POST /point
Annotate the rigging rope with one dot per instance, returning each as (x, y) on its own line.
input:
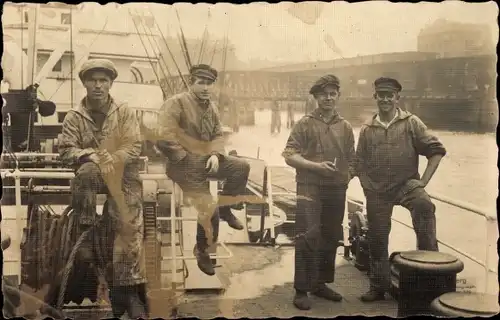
(154, 52)
(79, 60)
(71, 52)
(147, 53)
(169, 51)
(183, 41)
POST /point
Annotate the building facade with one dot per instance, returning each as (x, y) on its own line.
(451, 39)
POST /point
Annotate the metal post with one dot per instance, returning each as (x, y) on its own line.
(18, 219)
(173, 252)
(345, 226)
(263, 206)
(270, 201)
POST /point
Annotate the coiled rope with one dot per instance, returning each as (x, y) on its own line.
(69, 265)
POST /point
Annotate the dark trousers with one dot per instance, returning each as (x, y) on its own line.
(318, 223)
(379, 211)
(124, 190)
(130, 299)
(192, 176)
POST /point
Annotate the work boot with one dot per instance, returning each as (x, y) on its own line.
(204, 261)
(373, 295)
(301, 301)
(326, 293)
(230, 218)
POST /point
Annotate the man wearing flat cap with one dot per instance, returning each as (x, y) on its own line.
(321, 149)
(191, 138)
(388, 153)
(101, 140)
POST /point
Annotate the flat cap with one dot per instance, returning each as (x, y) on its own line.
(387, 84)
(98, 64)
(204, 71)
(324, 81)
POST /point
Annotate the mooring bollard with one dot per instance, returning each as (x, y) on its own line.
(465, 304)
(422, 277)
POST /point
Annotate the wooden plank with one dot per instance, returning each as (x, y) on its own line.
(196, 280)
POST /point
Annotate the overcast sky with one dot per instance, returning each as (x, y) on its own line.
(268, 31)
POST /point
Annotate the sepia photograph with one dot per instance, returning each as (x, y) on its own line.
(249, 160)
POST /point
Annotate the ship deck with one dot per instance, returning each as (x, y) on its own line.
(258, 281)
(260, 285)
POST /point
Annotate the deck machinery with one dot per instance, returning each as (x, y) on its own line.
(36, 186)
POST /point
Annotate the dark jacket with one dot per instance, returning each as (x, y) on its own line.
(318, 141)
(388, 158)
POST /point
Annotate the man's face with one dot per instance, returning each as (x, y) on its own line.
(98, 84)
(386, 100)
(327, 99)
(202, 87)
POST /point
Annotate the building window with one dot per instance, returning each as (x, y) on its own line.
(58, 66)
(65, 18)
(26, 17)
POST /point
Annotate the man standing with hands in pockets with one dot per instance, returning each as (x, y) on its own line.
(321, 149)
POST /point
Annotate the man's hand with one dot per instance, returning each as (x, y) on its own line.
(106, 162)
(414, 183)
(105, 156)
(326, 168)
(94, 158)
(212, 164)
(411, 185)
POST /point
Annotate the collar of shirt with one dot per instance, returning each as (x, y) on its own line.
(201, 102)
(384, 124)
(104, 110)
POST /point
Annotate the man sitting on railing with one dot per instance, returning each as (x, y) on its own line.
(101, 139)
(387, 166)
(321, 149)
(190, 136)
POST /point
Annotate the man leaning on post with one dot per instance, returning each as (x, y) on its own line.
(388, 151)
(321, 149)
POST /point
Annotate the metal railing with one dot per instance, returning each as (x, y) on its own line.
(491, 222)
(176, 204)
(17, 175)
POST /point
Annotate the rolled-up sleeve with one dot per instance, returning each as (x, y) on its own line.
(295, 142)
(70, 146)
(426, 143)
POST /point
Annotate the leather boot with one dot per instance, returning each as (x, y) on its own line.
(230, 218)
(301, 301)
(204, 261)
(326, 293)
(373, 295)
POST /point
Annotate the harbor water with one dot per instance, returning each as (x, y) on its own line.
(468, 173)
